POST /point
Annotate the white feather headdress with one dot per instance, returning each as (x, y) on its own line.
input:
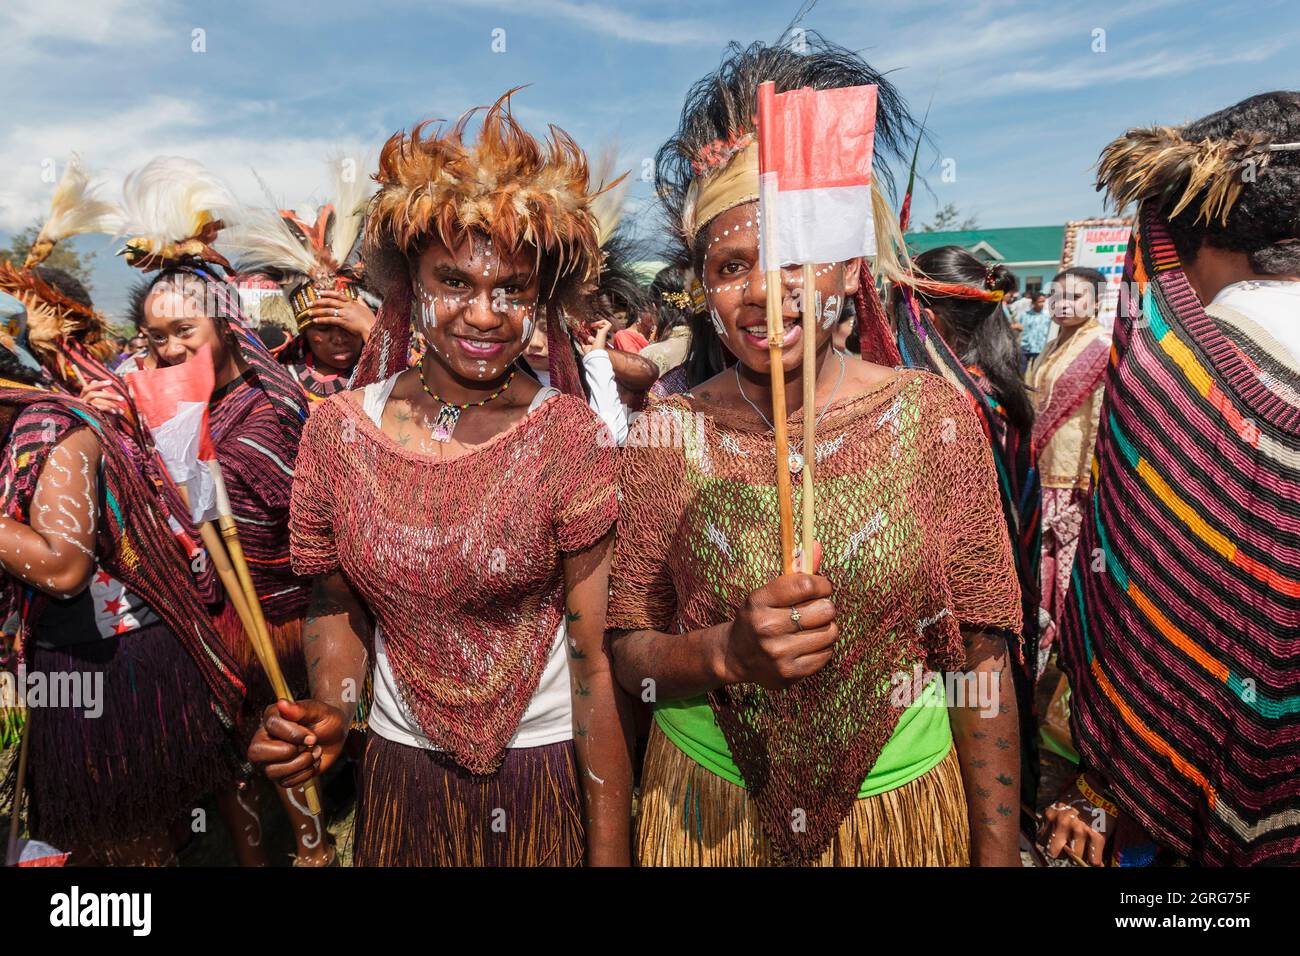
(306, 250)
(173, 209)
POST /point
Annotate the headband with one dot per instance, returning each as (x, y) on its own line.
(711, 195)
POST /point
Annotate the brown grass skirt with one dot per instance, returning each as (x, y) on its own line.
(417, 807)
(689, 816)
(150, 757)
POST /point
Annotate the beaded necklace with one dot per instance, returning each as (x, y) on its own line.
(449, 414)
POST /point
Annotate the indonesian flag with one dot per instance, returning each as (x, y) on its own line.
(173, 402)
(814, 164)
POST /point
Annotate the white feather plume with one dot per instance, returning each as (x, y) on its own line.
(171, 198)
(608, 206)
(263, 242)
(75, 210)
(352, 188)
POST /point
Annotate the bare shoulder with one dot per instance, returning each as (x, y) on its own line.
(864, 376)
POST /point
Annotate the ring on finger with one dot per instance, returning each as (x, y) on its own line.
(796, 617)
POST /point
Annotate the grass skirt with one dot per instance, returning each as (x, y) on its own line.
(148, 759)
(689, 816)
(417, 807)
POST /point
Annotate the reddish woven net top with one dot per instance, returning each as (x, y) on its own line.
(458, 560)
(913, 543)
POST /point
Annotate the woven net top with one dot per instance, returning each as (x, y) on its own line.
(914, 546)
(459, 561)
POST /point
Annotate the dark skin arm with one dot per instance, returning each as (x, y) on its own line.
(634, 372)
(302, 740)
(602, 712)
(55, 551)
(988, 745)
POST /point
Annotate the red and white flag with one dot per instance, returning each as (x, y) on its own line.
(814, 164)
(173, 402)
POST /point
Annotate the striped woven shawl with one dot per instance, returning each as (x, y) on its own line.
(1181, 637)
(135, 543)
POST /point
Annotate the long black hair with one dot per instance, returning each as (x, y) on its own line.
(723, 106)
(977, 329)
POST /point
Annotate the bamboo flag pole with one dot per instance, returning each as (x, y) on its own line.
(260, 634)
(775, 338)
(235, 592)
(809, 411)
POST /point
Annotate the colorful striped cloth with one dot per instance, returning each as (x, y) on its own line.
(921, 346)
(1181, 638)
(136, 543)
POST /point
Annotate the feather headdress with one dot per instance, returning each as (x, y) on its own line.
(173, 210)
(1157, 163)
(305, 252)
(508, 185)
(73, 210)
(54, 318)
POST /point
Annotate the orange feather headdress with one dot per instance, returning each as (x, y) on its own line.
(507, 185)
(52, 317)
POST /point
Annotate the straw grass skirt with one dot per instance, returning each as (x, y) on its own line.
(689, 816)
(417, 807)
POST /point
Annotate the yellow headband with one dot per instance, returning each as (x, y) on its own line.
(711, 195)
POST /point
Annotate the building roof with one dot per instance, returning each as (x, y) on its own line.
(1017, 245)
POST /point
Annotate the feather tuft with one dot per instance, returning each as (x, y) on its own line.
(74, 210)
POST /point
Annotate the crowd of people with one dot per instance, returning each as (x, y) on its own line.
(511, 515)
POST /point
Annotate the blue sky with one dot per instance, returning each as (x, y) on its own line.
(1022, 101)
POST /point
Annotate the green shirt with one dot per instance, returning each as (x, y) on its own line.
(920, 740)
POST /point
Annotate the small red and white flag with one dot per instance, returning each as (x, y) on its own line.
(173, 402)
(814, 163)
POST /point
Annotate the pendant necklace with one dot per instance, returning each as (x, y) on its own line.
(795, 461)
(449, 414)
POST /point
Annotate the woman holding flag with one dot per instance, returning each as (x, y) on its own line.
(97, 588)
(173, 208)
(796, 716)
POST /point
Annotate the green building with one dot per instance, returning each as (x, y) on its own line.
(1033, 253)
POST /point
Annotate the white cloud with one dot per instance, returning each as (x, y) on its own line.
(27, 25)
(605, 19)
(112, 144)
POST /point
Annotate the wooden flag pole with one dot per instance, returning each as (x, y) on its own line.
(260, 633)
(784, 495)
(235, 592)
(809, 411)
(775, 337)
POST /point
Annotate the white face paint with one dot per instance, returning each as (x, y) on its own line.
(428, 307)
(830, 311)
(717, 323)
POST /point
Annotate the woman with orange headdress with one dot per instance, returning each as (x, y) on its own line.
(467, 512)
(950, 320)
